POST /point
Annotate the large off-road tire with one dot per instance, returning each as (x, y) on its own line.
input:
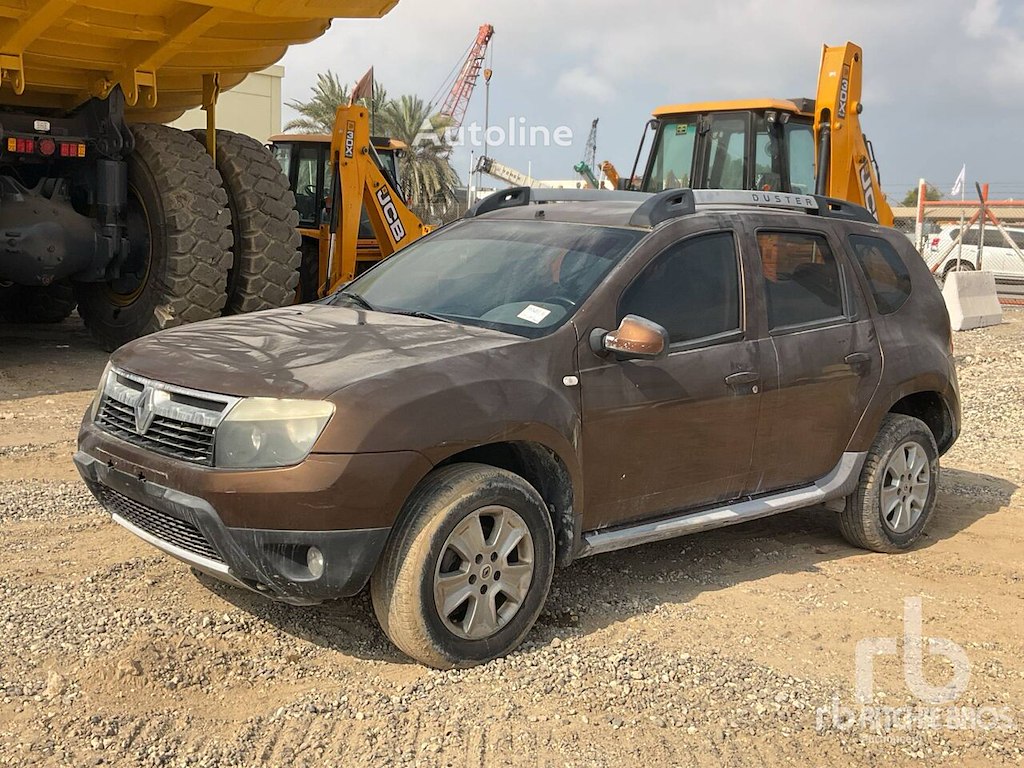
(37, 303)
(467, 568)
(179, 230)
(896, 495)
(265, 263)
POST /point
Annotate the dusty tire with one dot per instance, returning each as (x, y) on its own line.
(419, 557)
(870, 519)
(964, 264)
(37, 303)
(179, 230)
(265, 255)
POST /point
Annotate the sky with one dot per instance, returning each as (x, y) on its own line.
(943, 79)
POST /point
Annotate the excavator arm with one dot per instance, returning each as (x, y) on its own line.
(845, 166)
(360, 183)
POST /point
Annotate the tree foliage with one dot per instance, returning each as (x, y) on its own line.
(930, 194)
(427, 178)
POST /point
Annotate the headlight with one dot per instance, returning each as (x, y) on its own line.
(94, 409)
(266, 432)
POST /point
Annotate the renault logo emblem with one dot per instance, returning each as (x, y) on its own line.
(145, 407)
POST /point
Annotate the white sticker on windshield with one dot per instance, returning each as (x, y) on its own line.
(534, 314)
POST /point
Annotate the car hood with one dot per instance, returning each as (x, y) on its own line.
(310, 350)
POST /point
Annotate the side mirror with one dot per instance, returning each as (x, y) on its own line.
(636, 338)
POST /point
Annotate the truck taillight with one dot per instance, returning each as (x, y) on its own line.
(45, 146)
(23, 146)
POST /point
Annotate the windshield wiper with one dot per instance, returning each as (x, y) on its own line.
(417, 313)
(355, 298)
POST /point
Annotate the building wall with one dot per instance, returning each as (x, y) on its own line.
(252, 107)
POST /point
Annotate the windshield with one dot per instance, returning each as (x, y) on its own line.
(671, 163)
(522, 277)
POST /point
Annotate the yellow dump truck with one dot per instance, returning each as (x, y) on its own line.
(141, 225)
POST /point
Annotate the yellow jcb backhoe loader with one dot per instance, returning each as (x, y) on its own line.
(779, 145)
(305, 159)
(364, 217)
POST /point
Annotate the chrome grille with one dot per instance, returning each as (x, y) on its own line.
(166, 419)
(165, 527)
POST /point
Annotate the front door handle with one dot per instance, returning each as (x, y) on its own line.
(743, 379)
(860, 362)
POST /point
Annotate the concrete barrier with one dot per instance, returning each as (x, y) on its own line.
(971, 300)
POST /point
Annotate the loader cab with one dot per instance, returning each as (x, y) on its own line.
(305, 160)
(762, 144)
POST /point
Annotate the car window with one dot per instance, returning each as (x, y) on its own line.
(993, 237)
(523, 277)
(692, 289)
(886, 273)
(801, 278)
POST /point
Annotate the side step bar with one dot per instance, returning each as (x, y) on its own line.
(840, 482)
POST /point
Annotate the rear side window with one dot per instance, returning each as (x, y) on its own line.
(692, 289)
(886, 273)
(801, 278)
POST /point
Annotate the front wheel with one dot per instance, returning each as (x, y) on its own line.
(898, 483)
(467, 569)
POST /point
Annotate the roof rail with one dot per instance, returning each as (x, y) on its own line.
(653, 209)
(518, 196)
(835, 208)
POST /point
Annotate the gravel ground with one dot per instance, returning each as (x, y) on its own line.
(728, 648)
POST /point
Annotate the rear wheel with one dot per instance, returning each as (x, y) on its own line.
(179, 238)
(37, 303)
(467, 568)
(898, 483)
(961, 265)
(265, 256)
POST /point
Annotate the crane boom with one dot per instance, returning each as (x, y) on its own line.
(585, 171)
(455, 106)
(504, 173)
(585, 167)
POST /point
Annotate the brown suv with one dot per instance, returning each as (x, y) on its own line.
(556, 375)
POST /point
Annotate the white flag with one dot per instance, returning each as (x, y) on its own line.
(958, 185)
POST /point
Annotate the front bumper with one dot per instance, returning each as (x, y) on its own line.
(271, 562)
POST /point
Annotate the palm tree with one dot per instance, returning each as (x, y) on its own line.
(317, 114)
(329, 93)
(428, 179)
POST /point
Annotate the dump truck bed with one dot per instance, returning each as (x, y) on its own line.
(59, 53)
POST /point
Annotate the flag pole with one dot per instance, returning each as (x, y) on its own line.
(960, 244)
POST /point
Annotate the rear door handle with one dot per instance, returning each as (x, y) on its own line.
(743, 379)
(860, 362)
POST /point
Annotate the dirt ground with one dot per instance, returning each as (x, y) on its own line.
(735, 647)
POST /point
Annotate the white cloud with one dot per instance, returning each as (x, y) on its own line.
(583, 82)
(983, 19)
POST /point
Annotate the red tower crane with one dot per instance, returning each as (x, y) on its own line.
(455, 106)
